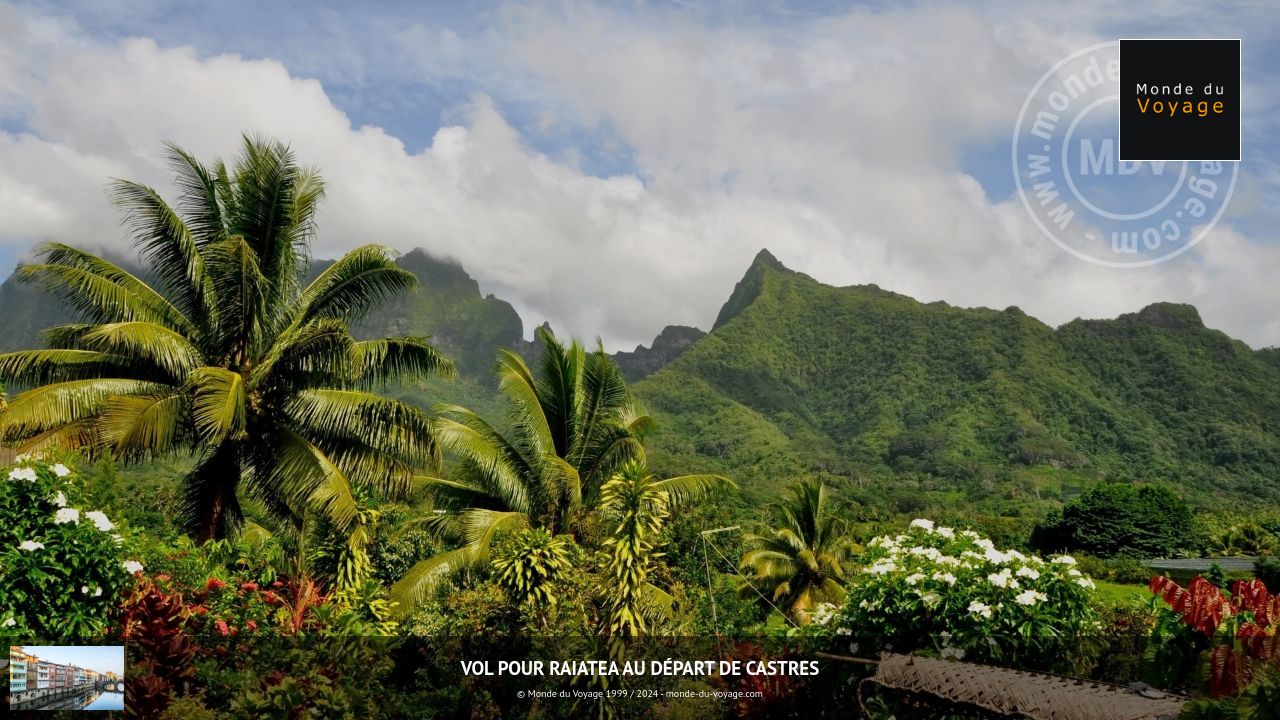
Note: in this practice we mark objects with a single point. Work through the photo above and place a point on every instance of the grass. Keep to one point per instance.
(1119, 594)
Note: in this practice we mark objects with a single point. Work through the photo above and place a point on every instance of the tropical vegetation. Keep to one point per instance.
(227, 354)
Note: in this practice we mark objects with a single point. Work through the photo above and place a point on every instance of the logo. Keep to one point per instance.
(1082, 196)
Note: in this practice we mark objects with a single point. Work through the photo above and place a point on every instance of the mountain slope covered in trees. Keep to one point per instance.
(915, 402)
(905, 405)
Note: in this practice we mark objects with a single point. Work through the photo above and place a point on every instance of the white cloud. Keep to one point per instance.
(839, 145)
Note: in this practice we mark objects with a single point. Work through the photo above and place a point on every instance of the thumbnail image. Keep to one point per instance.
(66, 677)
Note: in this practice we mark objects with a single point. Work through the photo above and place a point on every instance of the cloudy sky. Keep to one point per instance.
(613, 167)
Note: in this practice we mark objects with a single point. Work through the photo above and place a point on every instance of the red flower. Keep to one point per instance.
(162, 577)
(251, 625)
(249, 587)
(222, 627)
(214, 584)
(277, 584)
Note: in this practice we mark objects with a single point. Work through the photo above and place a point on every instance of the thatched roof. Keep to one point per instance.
(1022, 694)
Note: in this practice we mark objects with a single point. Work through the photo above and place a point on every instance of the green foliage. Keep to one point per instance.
(229, 355)
(937, 589)
(1267, 569)
(568, 428)
(639, 504)
(530, 563)
(1143, 521)
(874, 388)
(62, 569)
(799, 563)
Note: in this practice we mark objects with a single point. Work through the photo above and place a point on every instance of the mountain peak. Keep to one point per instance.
(764, 258)
(748, 288)
(1170, 316)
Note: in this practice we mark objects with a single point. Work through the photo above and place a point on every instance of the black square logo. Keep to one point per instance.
(1180, 99)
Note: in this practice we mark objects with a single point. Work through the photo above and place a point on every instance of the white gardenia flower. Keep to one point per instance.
(931, 598)
(97, 592)
(84, 589)
(915, 578)
(131, 566)
(923, 524)
(1086, 583)
(60, 500)
(882, 567)
(31, 545)
(1030, 597)
(980, 608)
(985, 544)
(23, 473)
(1065, 560)
(61, 470)
(66, 515)
(945, 577)
(1002, 579)
(844, 631)
(995, 557)
(946, 532)
(1028, 573)
(100, 520)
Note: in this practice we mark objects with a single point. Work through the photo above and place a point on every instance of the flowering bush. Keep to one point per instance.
(62, 568)
(935, 588)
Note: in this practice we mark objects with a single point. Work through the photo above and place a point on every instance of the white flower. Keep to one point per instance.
(931, 598)
(60, 500)
(1015, 555)
(1074, 572)
(61, 470)
(980, 608)
(1030, 597)
(97, 592)
(949, 653)
(945, 577)
(995, 557)
(84, 589)
(882, 567)
(10, 622)
(1003, 579)
(23, 473)
(66, 515)
(1027, 572)
(946, 532)
(131, 566)
(926, 525)
(24, 457)
(1086, 583)
(117, 538)
(985, 544)
(100, 520)
(1065, 560)
(844, 631)
(915, 578)
(969, 534)
(31, 545)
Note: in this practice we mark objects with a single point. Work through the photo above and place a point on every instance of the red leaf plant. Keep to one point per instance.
(1253, 611)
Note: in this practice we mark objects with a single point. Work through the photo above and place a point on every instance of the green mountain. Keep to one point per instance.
(911, 404)
(905, 405)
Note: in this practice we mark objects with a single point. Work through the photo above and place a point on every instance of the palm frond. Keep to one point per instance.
(360, 280)
(53, 406)
(218, 403)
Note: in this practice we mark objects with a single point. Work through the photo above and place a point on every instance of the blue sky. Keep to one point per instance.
(103, 658)
(612, 167)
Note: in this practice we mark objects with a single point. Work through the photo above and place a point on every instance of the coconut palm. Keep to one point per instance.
(801, 562)
(228, 355)
(568, 429)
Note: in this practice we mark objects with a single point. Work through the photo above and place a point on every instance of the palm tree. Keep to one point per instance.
(639, 504)
(568, 430)
(800, 563)
(229, 356)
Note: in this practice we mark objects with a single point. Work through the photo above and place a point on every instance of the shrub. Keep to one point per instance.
(934, 588)
(1267, 569)
(1113, 519)
(62, 568)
